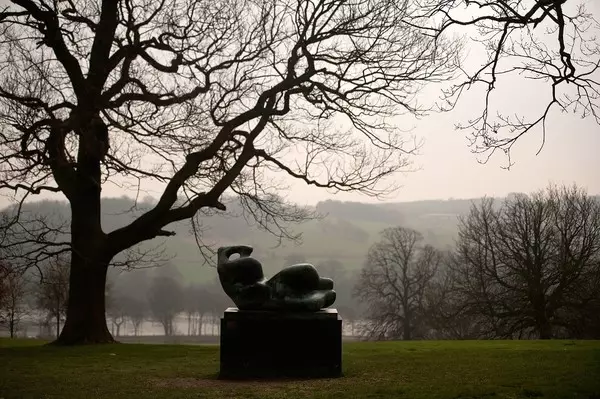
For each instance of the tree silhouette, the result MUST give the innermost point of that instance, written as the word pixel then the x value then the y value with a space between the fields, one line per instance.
pixel 206 98
pixel 398 272
pixel 53 290
pixel 531 267
pixel 165 300
pixel 13 291
pixel 201 97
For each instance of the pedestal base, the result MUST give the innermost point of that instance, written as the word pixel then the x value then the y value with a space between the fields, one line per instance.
pixel 258 344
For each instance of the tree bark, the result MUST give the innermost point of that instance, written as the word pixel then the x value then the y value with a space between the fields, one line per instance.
pixel 86 312
pixel 86 320
pixel 57 316
pixel 11 323
pixel 90 257
pixel 545 330
pixel 406 333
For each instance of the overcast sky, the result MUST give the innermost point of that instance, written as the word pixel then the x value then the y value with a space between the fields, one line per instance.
pixel 447 168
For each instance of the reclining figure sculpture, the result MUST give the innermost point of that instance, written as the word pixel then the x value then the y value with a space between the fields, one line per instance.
pixel 297 288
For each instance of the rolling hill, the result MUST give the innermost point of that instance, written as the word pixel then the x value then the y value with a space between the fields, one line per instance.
pixel 343 232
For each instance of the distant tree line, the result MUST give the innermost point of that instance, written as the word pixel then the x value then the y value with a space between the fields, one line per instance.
pixel 159 295
pixel 528 267
pixel 37 297
pixel 524 267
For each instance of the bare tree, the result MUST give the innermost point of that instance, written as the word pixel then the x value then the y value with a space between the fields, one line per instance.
pixel 446 310
pixel 397 274
pixel 551 43
pixel 531 267
pixel 197 304
pixel 216 304
pixel 202 97
pixel 166 300
pixel 53 290
pixel 13 291
pixel 137 311
pixel 5 270
pixel 189 295
pixel 116 311
pixel 130 289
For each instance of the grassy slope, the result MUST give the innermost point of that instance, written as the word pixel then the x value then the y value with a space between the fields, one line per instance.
pixel 492 369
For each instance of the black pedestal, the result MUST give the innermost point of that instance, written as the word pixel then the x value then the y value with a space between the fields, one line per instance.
pixel 258 344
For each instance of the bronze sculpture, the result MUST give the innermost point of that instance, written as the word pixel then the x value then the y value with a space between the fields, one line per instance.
pixel 297 288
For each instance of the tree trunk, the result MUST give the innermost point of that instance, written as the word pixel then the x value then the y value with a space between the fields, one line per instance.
pixel 545 330
pixel 406 333
pixel 543 326
pixel 86 317
pixel 11 324
pixel 57 317
pixel 90 256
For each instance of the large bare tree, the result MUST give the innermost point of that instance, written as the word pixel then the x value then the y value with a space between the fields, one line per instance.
pixel 394 281
pixel 531 266
pixel 205 98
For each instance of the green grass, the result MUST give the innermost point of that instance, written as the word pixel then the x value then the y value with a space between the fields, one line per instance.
pixel 436 369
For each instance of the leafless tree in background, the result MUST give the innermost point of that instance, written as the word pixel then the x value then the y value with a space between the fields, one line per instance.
pixel 192 294
pixel 53 290
pixel 447 314
pixel 552 42
pixel 13 292
pixel 5 270
pixel 398 272
pixel 166 300
pixel 136 310
pixel 532 266
pixel 116 311
pixel 203 97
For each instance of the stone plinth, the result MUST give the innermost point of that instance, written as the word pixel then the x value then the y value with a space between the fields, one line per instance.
pixel 257 344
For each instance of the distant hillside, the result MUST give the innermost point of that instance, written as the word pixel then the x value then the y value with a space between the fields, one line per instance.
pixel 344 233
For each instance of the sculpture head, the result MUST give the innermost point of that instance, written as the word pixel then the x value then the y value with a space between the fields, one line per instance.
pixel 244 269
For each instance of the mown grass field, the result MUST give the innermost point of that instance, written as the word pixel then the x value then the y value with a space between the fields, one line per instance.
pixel 438 369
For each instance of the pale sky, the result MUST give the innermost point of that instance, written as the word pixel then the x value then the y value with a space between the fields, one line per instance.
pixel 448 169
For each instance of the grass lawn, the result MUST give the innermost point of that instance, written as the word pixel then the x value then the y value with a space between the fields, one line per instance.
pixel 431 369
